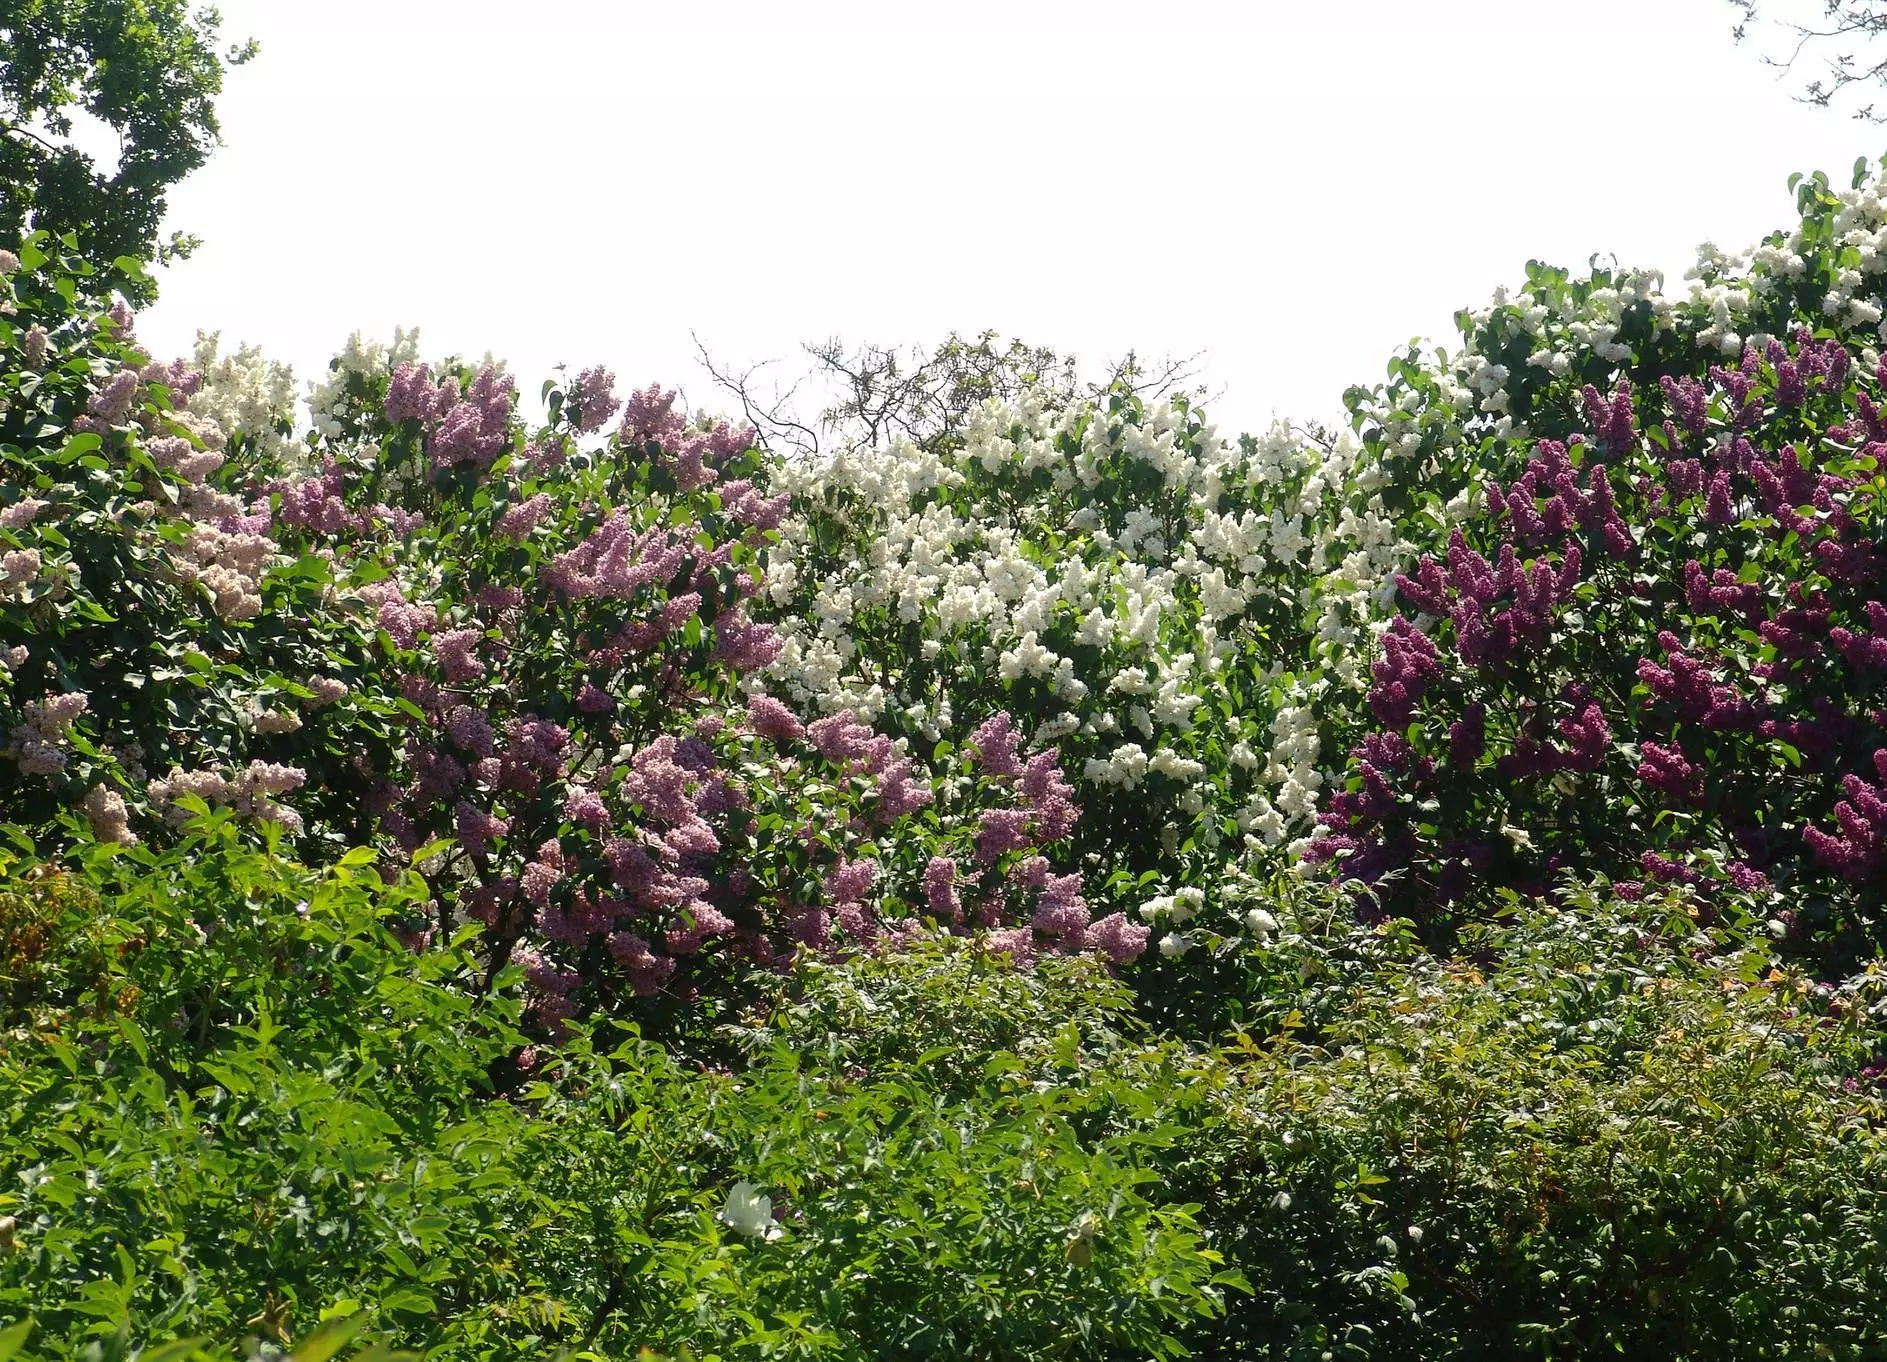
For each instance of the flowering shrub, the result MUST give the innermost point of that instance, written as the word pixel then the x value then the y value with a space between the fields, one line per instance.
pixel 568 632
pixel 1153 600
pixel 1599 1132
pixel 1643 640
pixel 155 639
pixel 541 651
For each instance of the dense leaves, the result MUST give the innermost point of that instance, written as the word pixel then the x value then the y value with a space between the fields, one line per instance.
pixel 146 70
pixel 610 886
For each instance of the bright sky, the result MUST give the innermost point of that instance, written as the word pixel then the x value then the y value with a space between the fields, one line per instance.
pixel 1293 189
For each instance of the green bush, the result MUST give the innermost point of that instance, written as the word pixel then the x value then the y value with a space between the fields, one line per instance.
pixel 1591 1135
pixel 237 1105
pixel 247 1103
pixel 948 1170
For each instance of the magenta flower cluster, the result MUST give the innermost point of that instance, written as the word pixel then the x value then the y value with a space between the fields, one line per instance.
pixel 1656 658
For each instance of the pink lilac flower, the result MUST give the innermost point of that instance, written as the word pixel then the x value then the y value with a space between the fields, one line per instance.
pixel 593 401
pixel 897 793
pixel 1667 769
pixel 518 521
pixel 772 720
pixel 940 877
pixel 839 737
pixel 614 562
pixel 476 430
pixel 476 827
pixel 586 808
pixel 536 742
pixel 454 649
pixel 1047 793
pixel 850 881
pixel 410 394
pixel 659 784
pixel 650 415
pixel 999 832
pixel 691 840
pixel 809 926
pixel 647 970
pixel 21 513
pixel 994 743
pixel 749 507
pixel 112 403
pixel 1120 940
pixel 316 504
pixel 744 645
pixel 1018 943
pixel 1061 912
pixel 469 730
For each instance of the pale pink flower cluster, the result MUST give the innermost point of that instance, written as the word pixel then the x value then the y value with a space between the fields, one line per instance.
pixel 110 821
pixel 21 513
pixel 37 743
pixel 456 649
pixel 477 429
pixel 327 690
pixel 276 721
pixel 229 567
pixel 403 621
pixel 111 404
pixel 12 659
pixel 33 349
pixel 20 569
pixel 177 454
pixel 251 791
pixel 521 519
pixel 613 562
pixel 593 402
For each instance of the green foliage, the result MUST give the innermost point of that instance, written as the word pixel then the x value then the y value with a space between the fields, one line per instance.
pixel 1591 1135
pixel 236 1104
pixel 261 1107
pixel 953 1199
pixel 149 71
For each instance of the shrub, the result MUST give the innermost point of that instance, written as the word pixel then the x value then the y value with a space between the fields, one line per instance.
pixel 1596 1133
pixel 530 656
pixel 960 1200
pixel 262 1107
pixel 272 1112
pixel 1642 642
pixel 1150 599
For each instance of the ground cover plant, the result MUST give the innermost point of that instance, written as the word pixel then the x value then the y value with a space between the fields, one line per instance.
pixel 1028 877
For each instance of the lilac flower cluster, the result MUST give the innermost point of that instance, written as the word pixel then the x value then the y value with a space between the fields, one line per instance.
pixel 1721 625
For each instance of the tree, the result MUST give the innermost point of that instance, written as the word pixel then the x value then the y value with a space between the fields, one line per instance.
pixel 1844 25
pixel 875 393
pixel 146 70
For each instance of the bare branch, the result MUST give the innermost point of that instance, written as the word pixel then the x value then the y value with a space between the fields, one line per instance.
pixel 773 421
pixel 1848 23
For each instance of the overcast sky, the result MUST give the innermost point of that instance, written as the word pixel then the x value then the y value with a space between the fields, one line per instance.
pixel 1293 189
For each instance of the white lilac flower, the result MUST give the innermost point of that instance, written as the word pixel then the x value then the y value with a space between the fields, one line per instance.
pixel 1261 923
pixel 1175 944
pixel 749 1211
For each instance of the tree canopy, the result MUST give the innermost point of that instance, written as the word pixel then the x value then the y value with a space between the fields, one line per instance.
pixel 146 71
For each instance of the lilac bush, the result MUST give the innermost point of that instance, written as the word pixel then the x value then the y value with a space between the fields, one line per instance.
pixel 526 659
pixel 1647 643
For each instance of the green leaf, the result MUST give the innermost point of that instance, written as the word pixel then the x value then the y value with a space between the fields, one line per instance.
pixel 329 1339
pixel 175 1351
pixel 14 1336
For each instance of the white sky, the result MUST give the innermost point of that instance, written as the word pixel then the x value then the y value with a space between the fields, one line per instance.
pixel 1294 189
